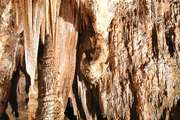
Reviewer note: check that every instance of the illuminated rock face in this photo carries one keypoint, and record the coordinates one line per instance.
(147, 61)
(108, 59)
(142, 77)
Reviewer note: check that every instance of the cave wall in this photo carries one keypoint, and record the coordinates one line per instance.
(115, 59)
(142, 77)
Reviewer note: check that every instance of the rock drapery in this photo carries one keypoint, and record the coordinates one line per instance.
(107, 59)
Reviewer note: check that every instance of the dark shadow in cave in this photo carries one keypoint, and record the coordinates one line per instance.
(78, 98)
(13, 93)
(175, 111)
(14, 84)
(4, 117)
(94, 100)
(170, 41)
(69, 112)
(134, 115)
(155, 49)
(28, 82)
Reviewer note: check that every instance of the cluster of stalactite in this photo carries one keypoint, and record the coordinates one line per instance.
(90, 59)
(142, 77)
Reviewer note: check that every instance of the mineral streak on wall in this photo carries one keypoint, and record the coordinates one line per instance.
(108, 59)
(143, 75)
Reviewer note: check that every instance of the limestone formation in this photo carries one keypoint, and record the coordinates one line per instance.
(90, 59)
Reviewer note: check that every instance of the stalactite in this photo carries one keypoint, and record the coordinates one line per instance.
(99, 59)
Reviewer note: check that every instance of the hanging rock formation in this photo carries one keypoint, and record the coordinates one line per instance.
(90, 59)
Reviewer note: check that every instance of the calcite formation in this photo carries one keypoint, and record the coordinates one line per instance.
(90, 59)
(142, 79)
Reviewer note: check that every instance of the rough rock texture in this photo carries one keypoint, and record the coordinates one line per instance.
(143, 74)
(8, 43)
(90, 59)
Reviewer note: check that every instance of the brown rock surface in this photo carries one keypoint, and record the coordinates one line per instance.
(90, 59)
